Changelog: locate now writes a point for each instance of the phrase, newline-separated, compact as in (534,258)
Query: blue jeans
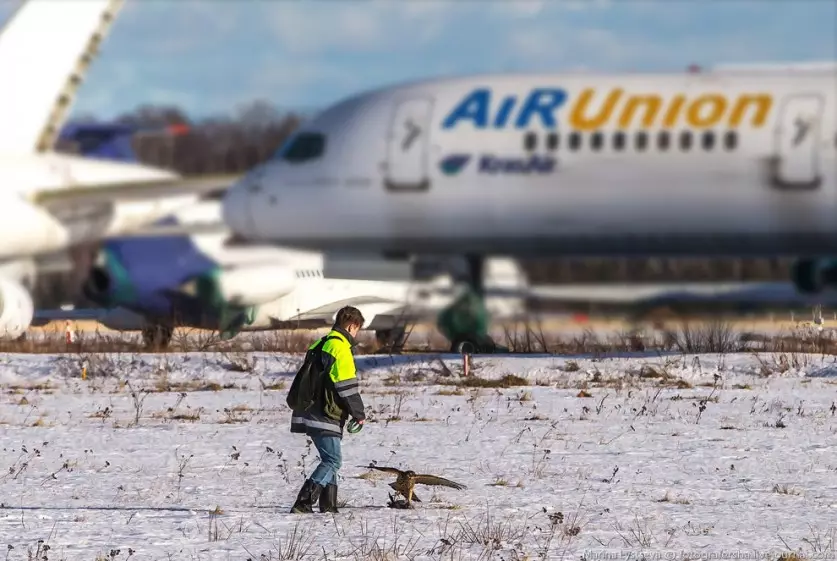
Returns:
(331,458)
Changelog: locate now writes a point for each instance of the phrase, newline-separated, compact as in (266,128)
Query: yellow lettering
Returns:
(580,121)
(649,110)
(651,105)
(673,112)
(698,118)
(762,103)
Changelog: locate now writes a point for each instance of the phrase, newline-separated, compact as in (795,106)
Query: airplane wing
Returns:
(378,312)
(210,186)
(133,208)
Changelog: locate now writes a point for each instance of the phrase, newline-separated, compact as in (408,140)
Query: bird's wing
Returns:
(383,468)
(425,479)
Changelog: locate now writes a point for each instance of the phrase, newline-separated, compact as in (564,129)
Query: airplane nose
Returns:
(235,210)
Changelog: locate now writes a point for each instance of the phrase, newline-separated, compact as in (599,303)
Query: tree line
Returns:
(236,143)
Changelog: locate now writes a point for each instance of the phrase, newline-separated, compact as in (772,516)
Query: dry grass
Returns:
(507,381)
(527,336)
(183,340)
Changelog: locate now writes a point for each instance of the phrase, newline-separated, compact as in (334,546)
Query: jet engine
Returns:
(28,229)
(16,309)
(100,286)
(811,276)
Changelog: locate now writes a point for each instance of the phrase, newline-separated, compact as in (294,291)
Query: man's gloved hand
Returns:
(354,426)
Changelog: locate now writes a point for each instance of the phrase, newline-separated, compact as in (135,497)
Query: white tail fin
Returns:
(45,49)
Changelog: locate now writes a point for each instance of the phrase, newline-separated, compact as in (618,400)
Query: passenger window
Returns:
(575,141)
(619,141)
(302,147)
(552,141)
(641,140)
(596,141)
(730,140)
(530,141)
(708,140)
(685,140)
(663,140)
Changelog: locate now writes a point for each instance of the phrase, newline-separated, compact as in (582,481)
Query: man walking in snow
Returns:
(324,421)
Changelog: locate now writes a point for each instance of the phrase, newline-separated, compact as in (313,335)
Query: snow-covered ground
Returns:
(664,456)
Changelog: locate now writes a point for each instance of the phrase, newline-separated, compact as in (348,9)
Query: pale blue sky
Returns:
(209,56)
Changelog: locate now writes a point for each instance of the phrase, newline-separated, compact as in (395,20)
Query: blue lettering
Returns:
(474,107)
(534,164)
(504,112)
(541,103)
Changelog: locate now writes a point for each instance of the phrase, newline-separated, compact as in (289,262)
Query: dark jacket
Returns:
(341,396)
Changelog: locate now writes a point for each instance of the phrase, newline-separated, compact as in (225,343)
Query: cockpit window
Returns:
(303,147)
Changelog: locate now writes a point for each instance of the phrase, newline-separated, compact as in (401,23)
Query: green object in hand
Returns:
(354,427)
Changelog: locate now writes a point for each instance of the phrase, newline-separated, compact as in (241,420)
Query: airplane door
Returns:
(797,140)
(255,203)
(408,143)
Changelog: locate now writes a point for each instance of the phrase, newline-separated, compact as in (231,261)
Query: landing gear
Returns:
(156,337)
(465,321)
(391,340)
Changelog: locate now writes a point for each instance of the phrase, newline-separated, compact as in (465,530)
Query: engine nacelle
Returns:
(107,286)
(251,285)
(16,309)
(97,285)
(22,271)
(811,276)
(27,229)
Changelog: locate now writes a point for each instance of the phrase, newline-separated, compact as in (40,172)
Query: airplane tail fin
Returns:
(45,49)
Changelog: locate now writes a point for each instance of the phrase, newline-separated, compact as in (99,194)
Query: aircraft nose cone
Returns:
(235,211)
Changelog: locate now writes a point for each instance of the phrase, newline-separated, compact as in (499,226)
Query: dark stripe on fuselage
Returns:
(798,244)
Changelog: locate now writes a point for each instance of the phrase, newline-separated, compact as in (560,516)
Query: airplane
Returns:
(54,201)
(735,161)
(155,284)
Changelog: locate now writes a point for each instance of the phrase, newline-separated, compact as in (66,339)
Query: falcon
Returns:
(406,481)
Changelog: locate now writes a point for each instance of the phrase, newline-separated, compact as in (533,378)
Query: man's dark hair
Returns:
(348,316)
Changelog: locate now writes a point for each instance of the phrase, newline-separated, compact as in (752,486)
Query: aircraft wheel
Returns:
(465,347)
(391,340)
(156,337)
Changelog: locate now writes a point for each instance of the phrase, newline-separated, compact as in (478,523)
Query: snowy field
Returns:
(189,457)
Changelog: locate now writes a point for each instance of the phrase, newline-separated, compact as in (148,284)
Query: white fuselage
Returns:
(716,163)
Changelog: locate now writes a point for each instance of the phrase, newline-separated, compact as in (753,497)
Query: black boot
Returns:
(328,499)
(308,495)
